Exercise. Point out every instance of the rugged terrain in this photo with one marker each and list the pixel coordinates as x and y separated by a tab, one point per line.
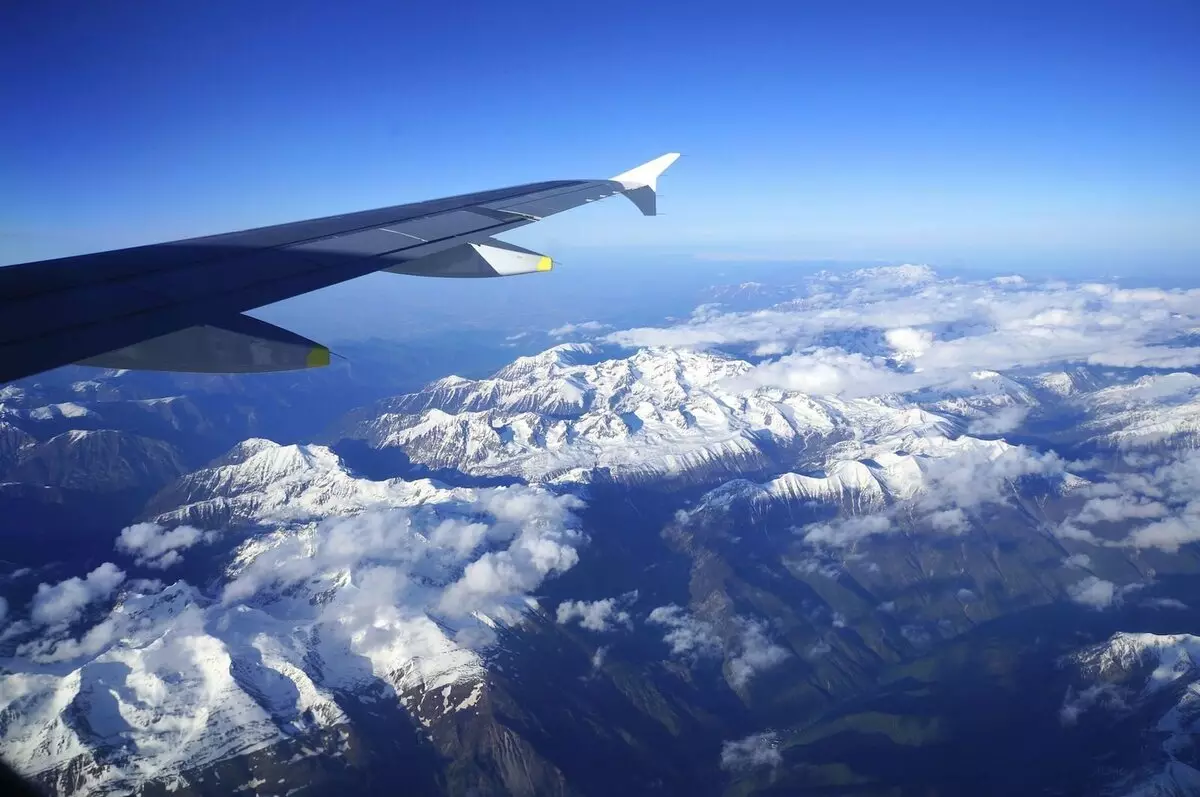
862	540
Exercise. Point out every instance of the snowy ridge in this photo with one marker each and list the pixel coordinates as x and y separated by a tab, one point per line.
655	412
1154	411
1171	656
889	471
263	482
1137	671
382	592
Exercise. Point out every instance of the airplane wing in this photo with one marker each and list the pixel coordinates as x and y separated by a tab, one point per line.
178	306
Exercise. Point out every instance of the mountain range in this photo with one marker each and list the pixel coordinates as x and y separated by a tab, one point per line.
650	562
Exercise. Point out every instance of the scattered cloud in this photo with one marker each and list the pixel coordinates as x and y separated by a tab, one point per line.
952	487
1164	603
1099	594
1002	421
1075	704
154	546
1094	592
1078	561
64	602
756	653
93	641
1169	534
584	327
687	636
601	615
1160	488
757	750
907	341
844	532
1114	510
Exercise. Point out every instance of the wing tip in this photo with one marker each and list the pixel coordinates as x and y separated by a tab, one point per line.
647	174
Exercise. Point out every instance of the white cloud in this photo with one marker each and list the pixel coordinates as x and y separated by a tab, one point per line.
770	348
599	615
1169	534
756	653
598	658
574	329
3	608
1002	421
951	521
1163	492
1109	696
94	640
154	546
1094	592
983	475
525	534
991	325
1164	603
827	372
757	750
65	601
908	341
1113	510
952	487
686	635
1079	561
847	531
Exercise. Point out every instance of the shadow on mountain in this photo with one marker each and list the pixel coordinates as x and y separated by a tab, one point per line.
379	464
95	713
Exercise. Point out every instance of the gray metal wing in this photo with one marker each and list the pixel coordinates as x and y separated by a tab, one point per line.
57	312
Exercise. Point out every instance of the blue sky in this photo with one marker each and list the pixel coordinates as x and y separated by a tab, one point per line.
960	133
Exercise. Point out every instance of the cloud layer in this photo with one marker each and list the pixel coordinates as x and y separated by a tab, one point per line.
937	332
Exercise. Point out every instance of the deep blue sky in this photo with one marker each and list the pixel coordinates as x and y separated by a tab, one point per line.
955	132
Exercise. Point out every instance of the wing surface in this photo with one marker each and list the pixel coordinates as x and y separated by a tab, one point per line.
57	312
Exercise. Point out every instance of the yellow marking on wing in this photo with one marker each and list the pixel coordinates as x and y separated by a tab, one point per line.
317	357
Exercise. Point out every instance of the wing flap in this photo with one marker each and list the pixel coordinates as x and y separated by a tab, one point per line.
488	259
237	345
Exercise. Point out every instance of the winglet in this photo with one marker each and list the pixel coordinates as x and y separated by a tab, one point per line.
641	182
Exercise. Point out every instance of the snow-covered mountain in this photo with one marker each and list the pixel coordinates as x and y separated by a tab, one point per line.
260	481
575	409
348	594
891	470
1156	411
742	524
1152	681
97	460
